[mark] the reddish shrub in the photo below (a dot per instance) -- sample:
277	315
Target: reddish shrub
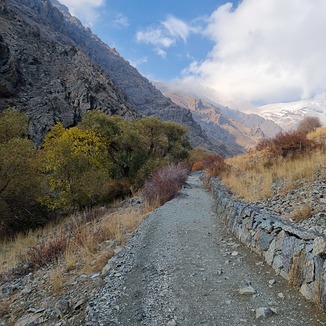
263	143
286	144
47	252
308	124
197	166
217	167
164	185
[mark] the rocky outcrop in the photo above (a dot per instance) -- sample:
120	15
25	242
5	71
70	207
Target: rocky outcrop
139	91
295	253
45	75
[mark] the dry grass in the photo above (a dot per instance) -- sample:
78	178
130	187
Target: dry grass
319	135
301	212
75	244
252	174
56	279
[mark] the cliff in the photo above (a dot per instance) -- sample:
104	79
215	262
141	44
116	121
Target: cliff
45	75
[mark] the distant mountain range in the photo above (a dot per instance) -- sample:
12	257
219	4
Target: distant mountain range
288	115
236	130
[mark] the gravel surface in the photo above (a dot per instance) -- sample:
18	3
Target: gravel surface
181	267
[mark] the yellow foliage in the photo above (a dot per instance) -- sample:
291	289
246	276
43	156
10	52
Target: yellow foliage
77	165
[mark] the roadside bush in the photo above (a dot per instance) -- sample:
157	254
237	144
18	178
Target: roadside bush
199	158
318	136
48	251
216	166
197	166
164	184
286	144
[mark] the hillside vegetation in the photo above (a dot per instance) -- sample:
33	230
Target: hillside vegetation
284	160
276	166
101	159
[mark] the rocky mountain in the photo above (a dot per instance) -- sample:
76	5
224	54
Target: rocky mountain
45	75
54	69
138	90
236	130
253	121
288	115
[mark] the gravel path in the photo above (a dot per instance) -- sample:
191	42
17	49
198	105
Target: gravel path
181	267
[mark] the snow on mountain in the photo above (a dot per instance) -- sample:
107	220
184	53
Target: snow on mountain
288	115
236	130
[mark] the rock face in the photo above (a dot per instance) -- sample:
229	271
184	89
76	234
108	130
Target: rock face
232	130
138	90
47	76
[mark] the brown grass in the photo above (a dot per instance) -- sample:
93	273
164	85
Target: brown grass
301	212
251	175
56	279
74	244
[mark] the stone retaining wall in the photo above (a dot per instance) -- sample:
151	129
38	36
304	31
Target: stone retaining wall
297	255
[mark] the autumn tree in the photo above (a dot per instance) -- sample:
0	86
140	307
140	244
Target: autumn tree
138	148
76	166
308	124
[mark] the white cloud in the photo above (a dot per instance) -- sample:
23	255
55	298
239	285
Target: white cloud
85	10
160	52
164	35
155	36
176	28
265	51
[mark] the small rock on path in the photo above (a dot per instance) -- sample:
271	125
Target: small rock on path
180	269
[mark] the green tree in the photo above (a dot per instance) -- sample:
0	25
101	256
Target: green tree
76	165
12	124
21	186
138	148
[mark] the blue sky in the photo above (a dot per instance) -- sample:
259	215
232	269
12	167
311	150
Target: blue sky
148	33
240	53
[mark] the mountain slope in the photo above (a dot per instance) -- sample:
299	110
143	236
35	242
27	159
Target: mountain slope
45	75
236	130
137	89
288	115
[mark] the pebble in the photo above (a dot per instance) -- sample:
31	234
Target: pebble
263	312
247	290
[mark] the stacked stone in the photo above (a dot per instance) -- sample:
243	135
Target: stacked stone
293	252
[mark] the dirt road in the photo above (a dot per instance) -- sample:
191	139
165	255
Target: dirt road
182	268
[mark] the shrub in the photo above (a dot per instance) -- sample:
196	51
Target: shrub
216	167
164	185
13	124
47	252
308	124
197	166
286	144
318	136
